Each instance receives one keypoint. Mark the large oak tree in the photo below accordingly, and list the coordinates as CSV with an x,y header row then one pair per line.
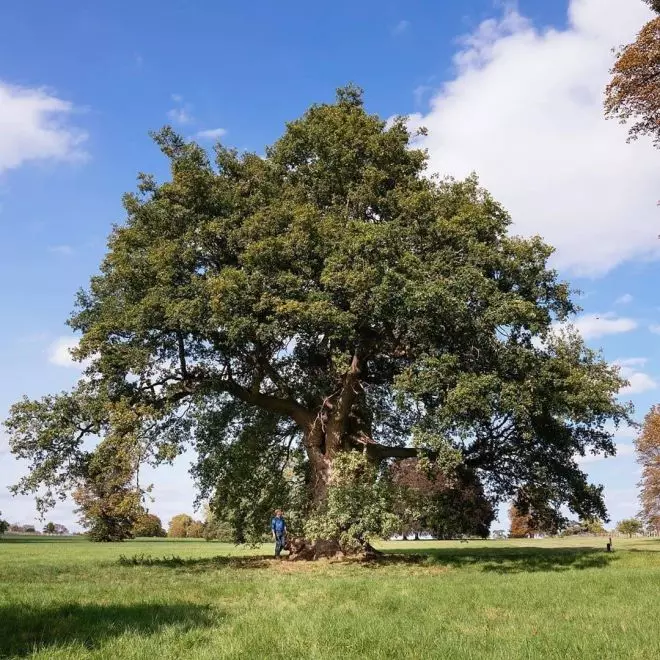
x,y
328,297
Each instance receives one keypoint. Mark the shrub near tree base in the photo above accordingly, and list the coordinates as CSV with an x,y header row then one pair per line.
x,y
282,312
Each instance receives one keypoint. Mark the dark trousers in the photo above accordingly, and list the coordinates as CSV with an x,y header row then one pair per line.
x,y
279,543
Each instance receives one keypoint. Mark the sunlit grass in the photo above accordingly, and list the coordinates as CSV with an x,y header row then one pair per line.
x,y
564,598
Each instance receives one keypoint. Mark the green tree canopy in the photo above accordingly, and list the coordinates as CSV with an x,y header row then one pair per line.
x,y
148,525
279,311
629,526
178,527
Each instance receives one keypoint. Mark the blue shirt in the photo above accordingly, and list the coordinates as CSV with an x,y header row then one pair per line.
x,y
278,525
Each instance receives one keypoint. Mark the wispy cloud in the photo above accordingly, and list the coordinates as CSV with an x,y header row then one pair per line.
x,y
593,326
65,250
622,451
211,133
180,116
655,329
625,299
401,27
639,381
182,112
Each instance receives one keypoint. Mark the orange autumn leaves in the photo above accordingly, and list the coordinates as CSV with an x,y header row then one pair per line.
x,y
647,445
633,94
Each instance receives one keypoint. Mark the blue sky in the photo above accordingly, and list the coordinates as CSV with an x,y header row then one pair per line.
x,y
511,91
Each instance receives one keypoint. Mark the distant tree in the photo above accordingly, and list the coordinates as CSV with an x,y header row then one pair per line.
x,y
633,94
593,526
4,525
217,528
148,525
29,529
499,534
195,530
521,524
49,528
629,526
178,527
60,529
647,445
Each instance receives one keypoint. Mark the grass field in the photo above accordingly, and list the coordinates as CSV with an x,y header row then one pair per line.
x,y
68,598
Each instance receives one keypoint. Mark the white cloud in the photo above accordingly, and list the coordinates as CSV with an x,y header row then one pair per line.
x,y
60,353
625,299
34,126
182,113
525,111
639,381
593,326
65,250
622,451
655,329
211,133
400,27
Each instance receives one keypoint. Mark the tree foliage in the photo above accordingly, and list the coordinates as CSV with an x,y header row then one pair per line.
x,y
447,502
4,525
148,525
629,526
654,4
108,503
591,526
647,445
521,526
184,526
633,94
286,311
358,506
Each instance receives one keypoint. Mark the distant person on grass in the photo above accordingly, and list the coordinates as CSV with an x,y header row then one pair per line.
x,y
278,527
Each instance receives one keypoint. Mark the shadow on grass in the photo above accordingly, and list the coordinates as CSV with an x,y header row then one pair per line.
x,y
26,629
506,560
198,563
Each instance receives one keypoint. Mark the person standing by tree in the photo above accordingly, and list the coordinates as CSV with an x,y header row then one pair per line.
x,y
278,527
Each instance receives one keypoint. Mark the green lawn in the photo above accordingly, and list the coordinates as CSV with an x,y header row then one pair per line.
x,y
67,598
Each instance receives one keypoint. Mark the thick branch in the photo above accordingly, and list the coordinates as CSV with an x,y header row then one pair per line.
x,y
380,452
288,407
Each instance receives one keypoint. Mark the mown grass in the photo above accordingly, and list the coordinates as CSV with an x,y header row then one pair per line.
x,y
62,598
